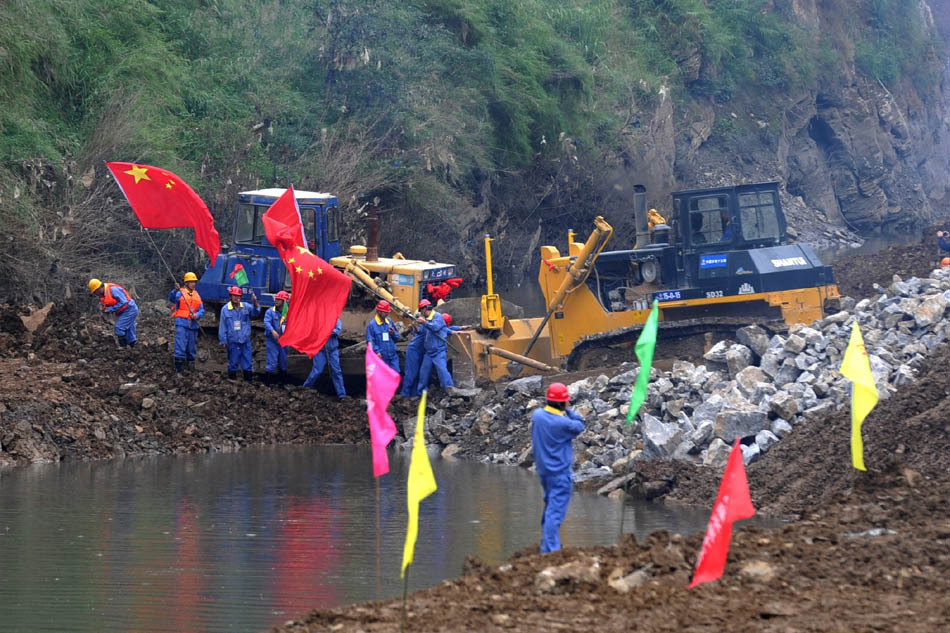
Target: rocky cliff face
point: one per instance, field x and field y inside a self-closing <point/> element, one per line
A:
<point x="853" y="154"/>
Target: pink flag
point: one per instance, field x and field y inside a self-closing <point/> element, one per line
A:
<point x="381" y="383"/>
<point x="732" y="504"/>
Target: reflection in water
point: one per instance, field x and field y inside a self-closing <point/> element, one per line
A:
<point x="243" y="542"/>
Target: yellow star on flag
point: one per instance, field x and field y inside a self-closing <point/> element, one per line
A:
<point x="303" y="250"/>
<point x="298" y="269"/>
<point x="168" y="185"/>
<point x="310" y="274"/>
<point x="319" y="271"/>
<point x="291" y="260"/>
<point x="139" y="173"/>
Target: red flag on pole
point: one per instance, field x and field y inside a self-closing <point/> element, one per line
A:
<point x="162" y="200"/>
<point x="320" y="290"/>
<point x="381" y="383"/>
<point x="732" y="504"/>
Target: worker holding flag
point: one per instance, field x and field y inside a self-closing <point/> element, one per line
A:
<point x="188" y="309"/>
<point x="553" y="430"/>
<point x="856" y="367"/>
<point x="234" y="331"/>
<point x="275" y="319"/>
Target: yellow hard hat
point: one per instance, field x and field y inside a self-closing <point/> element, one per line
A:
<point x="94" y="285"/>
<point x="191" y="277"/>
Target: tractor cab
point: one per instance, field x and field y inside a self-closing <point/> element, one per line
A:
<point x="256" y="257"/>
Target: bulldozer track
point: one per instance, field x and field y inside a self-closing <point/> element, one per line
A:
<point x="623" y="338"/>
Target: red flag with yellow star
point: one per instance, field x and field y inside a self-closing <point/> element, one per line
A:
<point x="320" y="290"/>
<point x="162" y="200"/>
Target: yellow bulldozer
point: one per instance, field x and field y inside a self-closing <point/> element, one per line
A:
<point x="719" y="264"/>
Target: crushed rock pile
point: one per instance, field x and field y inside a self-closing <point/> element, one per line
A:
<point x="757" y="388"/>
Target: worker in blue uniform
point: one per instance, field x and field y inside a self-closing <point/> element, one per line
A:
<point x="382" y="334"/>
<point x="274" y="323"/>
<point x="435" y="344"/>
<point x="414" y="353"/>
<point x="234" y="331"/>
<point x="553" y="429"/>
<point x="189" y="308"/>
<point x="329" y="354"/>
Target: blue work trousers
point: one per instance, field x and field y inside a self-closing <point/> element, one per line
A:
<point x="276" y="356"/>
<point x="440" y="363"/>
<point x="411" y="375"/>
<point x="557" y="494"/>
<point x="125" y="324"/>
<point x="186" y="342"/>
<point x="239" y="355"/>
<point x="336" y="374"/>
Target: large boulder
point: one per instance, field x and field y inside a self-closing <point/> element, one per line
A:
<point x="732" y="423"/>
<point x="659" y="439"/>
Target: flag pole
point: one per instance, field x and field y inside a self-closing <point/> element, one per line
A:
<point x="378" y="577"/>
<point x="405" y="590"/>
<point x="174" y="280"/>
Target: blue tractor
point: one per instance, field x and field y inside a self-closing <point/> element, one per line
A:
<point x="266" y="272"/>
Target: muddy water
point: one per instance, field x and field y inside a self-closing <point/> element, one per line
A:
<point x="242" y="542"/>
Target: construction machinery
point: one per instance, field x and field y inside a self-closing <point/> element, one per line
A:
<point x="403" y="282"/>
<point x="720" y="263"/>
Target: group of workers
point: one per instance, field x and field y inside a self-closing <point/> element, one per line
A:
<point x="426" y="351"/>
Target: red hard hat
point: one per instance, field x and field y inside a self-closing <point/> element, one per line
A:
<point x="945" y="262"/>
<point x="283" y="294"/>
<point x="234" y="290"/>
<point x="383" y="306"/>
<point x="447" y="318"/>
<point x="557" y="392"/>
<point x="425" y="303"/>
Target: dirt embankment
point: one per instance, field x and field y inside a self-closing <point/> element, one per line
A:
<point x="68" y="391"/>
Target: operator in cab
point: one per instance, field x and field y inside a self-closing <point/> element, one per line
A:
<point x="382" y="334"/>
<point x="187" y="311"/>
<point x="234" y="331"/>
<point x="553" y="429"/>
<point x="727" y="232"/>
<point x="114" y="299"/>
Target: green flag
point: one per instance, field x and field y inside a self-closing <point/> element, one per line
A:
<point x="645" y="345"/>
<point x="283" y="311"/>
<point x="239" y="275"/>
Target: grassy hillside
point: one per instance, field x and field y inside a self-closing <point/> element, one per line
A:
<point x="431" y="104"/>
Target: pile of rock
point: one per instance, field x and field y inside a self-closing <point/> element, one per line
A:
<point x="756" y="388"/>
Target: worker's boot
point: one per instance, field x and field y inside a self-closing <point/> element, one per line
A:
<point x="248" y="375"/>
<point x="178" y="366"/>
<point x="269" y="378"/>
<point x="282" y="380"/>
<point x="232" y="375"/>
<point x="122" y="342"/>
<point x="190" y="365"/>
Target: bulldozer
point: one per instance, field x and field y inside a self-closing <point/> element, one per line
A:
<point x="721" y="262"/>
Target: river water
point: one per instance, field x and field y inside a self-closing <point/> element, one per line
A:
<point x="246" y="541"/>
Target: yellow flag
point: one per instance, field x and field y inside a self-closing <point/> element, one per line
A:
<point x="421" y="484"/>
<point x="857" y="368"/>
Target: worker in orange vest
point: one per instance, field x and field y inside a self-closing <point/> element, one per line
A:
<point x="115" y="299"/>
<point x="188" y="310"/>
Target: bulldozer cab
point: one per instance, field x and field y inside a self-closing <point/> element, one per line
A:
<point x="729" y="218"/>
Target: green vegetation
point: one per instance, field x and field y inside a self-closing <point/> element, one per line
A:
<point x="421" y="101"/>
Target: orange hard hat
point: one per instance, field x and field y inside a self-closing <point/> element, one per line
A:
<point x="557" y="392"/>
<point x="945" y="262"/>
<point x="383" y="306"/>
<point x="447" y="318"/>
<point x="235" y="290"/>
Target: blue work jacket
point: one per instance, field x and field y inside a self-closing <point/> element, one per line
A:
<point x="552" y="432"/>
<point x="379" y="336"/>
<point x="234" y="325"/>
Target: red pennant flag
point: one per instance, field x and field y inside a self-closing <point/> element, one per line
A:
<point x="162" y="200"/>
<point x="320" y="290"/>
<point x="732" y="504"/>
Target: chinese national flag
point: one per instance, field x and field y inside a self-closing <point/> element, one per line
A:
<point x="319" y="289"/>
<point x="732" y="504"/>
<point x="162" y="200"/>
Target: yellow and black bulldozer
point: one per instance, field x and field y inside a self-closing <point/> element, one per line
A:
<point x="721" y="262"/>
